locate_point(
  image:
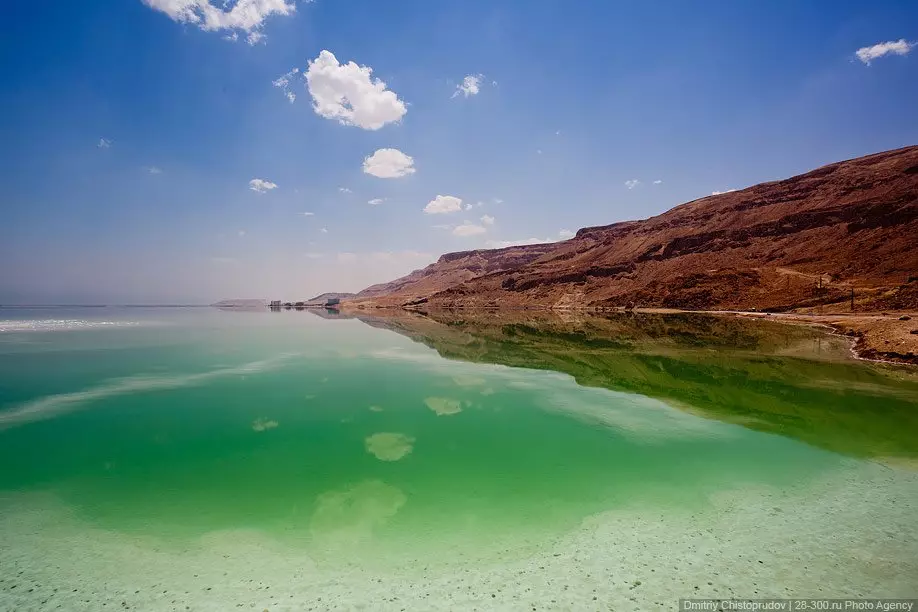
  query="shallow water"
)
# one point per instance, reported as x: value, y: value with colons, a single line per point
x: 164, y: 458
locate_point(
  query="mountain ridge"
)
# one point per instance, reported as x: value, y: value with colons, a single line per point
x: 805, y: 241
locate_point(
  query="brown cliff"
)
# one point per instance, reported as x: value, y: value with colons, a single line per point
x: 801, y: 242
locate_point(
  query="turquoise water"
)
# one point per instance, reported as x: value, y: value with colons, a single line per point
x: 347, y: 450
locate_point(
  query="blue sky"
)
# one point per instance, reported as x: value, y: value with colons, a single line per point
x: 132, y: 129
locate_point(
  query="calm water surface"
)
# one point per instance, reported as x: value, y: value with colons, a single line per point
x: 164, y: 458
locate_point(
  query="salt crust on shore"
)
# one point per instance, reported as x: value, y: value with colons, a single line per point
x: 852, y: 535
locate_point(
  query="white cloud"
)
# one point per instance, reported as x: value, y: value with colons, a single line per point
x: 104, y: 143
x: 468, y: 206
x: 479, y: 204
x: 657, y: 182
x: 349, y: 94
x: 308, y: 214
x: 539, y: 151
x: 376, y: 201
x: 261, y: 185
x: 720, y: 192
x: 324, y: 230
x: 498, y: 201
x: 388, y: 163
x: 632, y: 183
x: 469, y: 229
x: 470, y: 86
x: 154, y: 170
x: 892, y: 47
x: 487, y: 219
x: 442, y: 226
x: 245, y: 15
x: 241, y: 233
x: 501, y: 244
x: 344, y: 190
x: 443, y: 204
x: 284, y: 84
x: 565, y: 234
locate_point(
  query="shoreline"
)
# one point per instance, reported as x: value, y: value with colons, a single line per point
x: 884, y: 337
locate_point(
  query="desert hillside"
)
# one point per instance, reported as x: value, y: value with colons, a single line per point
x: 802, y: 242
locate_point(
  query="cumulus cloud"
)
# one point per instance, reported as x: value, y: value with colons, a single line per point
x: 720, y: 192
x: 388, y: 163
x: 154, y: 170
x: 657, y: 182
x: 565, y: 234
x: 376, y: 201
x: 283, y: 83
x: 261, y: 186
x: 241, y: 233
x: 469, y: 229
x: 344, y: 190
x: 104, y: 143
x: 307, y: 214
x: 632, y: 183
x: 348, y: 94
x: 470, y: 86
x: 324, y: 230
x: 443, y: 204
x: 892, y: 47
x: 487, y: 219
x: 247, y: 16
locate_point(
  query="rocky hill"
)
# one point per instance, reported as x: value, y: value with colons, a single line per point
x: 800, y: 242
x: 324, y: 297
x: 454, y: 269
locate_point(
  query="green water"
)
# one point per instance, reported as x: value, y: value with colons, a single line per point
x: 366, y: 443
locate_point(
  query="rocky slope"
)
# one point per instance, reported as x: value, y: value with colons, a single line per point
x: 800, y: 242
x: 324, y: 297
x: 453, y: 269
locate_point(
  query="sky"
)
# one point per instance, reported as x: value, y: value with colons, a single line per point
x: 186, y: 151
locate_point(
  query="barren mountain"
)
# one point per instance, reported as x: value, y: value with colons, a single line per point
x: 805, y: 241
x: 324, y: 297
x: 454, y: 269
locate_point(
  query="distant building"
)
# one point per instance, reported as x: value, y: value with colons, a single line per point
x: 332, y: 301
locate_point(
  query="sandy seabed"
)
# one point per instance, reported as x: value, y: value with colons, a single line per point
x: 852, y: 535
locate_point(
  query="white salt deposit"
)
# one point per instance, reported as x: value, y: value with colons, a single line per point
x: 852, y: 535
x: 45, y: 325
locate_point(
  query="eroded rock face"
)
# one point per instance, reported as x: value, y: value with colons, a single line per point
x: 803, y: 241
